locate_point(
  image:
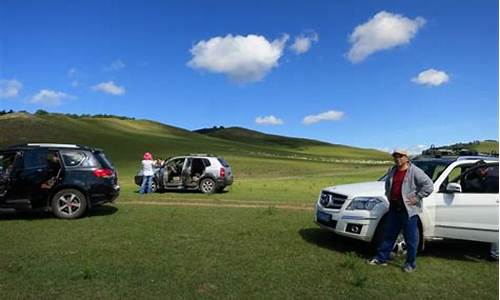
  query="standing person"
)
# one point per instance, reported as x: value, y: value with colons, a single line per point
x: 405, y: 186
x: 147, y: 166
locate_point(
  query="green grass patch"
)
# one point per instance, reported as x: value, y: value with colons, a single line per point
x: 139, y: 251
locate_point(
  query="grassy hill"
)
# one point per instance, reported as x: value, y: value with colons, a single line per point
x: 487, y: 146
x: 297, y: 145
x: 126, y: 140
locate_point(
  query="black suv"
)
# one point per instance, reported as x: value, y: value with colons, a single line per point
x: 65, y: 179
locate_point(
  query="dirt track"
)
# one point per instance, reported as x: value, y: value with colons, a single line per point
x: 233, y: 205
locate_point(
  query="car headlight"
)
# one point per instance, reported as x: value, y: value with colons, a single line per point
x: 363, y: 203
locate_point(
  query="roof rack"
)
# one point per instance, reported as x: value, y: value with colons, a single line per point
x: 50, y: 145
x: 478, y: 157
x: 201, y: 154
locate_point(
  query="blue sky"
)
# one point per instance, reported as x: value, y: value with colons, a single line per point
x: 377, y: 74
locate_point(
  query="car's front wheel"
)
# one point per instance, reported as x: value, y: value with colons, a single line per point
x: 207, y: 186
x: 400, y: 247
x: 69, y: 204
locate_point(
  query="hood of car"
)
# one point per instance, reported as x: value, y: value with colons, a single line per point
x: 368, y: 189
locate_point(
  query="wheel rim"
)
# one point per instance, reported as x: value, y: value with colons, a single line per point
x: 69, y: 204
x: 153, y: 186
x: 400, y: 247
x: 207, y: 185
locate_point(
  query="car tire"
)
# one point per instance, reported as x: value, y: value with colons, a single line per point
x: 154, y: 186
x: 69, y: 204
x: 207, y: 186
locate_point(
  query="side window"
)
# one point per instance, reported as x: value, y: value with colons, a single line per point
x: 206, y: 162
x: 481, y: 180
x: 73, y: 158
x: 437, y: 172
x: 454, y: 176
x: 36, y: 158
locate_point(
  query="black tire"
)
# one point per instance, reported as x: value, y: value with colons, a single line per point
x: 207, y: 186
x: 154, y: 186
x: 69, y: 204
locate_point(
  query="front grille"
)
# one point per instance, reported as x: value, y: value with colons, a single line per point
x: 332, y: 200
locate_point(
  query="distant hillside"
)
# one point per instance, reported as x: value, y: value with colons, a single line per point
x: 126, y: 139
x: 485, y: 147
x: 298, y: 145
x: 244, y: 135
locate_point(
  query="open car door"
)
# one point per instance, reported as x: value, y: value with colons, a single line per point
x: 26, y: 181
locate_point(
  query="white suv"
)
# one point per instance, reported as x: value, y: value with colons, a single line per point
x: 452, y: 211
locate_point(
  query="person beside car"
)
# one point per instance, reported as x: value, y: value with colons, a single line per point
x: 405, y: 186
x: 479, y: 182
x: 147, y: 170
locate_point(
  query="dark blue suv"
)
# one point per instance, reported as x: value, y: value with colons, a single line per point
x: 65, y: 179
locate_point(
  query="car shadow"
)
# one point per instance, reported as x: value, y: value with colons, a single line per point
x: 457, y: 250
x: 98, y: 211
x: 445, y: 249
x: 338, y: 243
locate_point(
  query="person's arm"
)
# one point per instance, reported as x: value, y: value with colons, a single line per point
x: 424, y: 184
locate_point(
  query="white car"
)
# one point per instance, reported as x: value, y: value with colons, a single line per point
x: 451, y: 211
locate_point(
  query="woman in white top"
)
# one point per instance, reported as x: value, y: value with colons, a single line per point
x: 147, y: 165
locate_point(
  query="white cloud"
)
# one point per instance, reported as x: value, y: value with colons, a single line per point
x: 241, y: 58
x: 10, y: 88
x: 117, y: 65
x: 431, y: 77
x: 73, y: 74
x: 109, y: 88
x: 383, y: 31
x: 269, y: 120
x: 48, y: 97
x: 303, y: 42
x: 330, y: 115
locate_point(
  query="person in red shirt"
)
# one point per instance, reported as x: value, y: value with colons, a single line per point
x: 405, y: 186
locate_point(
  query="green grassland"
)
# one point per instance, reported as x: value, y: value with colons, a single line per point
x: 149, y: 246
x: 146, y: 252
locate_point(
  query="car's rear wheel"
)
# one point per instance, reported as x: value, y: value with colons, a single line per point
x: 69, y: 204
x: 207, y: 186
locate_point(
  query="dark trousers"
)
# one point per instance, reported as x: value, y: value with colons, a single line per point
x: 395, y: 222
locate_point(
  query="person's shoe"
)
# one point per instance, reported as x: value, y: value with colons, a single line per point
x: 376, y: 262
x: 409, y: 269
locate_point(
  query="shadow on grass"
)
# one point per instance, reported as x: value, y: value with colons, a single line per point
x: 335, y: 242
x: 457, y: 250
x: 446, y: 249
x: 98, y: 211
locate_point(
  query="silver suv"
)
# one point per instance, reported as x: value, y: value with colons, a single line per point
x: 204, y: 172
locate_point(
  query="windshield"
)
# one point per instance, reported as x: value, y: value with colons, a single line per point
x: 433, y: 168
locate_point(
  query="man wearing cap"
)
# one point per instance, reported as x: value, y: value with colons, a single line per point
x: 405, y: 187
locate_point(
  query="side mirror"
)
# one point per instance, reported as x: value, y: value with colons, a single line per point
x: 453, y: 188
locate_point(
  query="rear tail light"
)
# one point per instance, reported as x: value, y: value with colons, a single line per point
x: 103, y: 173
x: 222, y: 172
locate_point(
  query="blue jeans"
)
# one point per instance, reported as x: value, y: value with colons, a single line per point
x: 395, y: 221
x: 146, y: 184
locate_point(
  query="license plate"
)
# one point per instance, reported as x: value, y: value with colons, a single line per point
x: 323, y: 216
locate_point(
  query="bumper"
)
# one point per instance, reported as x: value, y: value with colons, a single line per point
x: 109, y: 196
x: 357, y: 224
x: 224, y: 181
